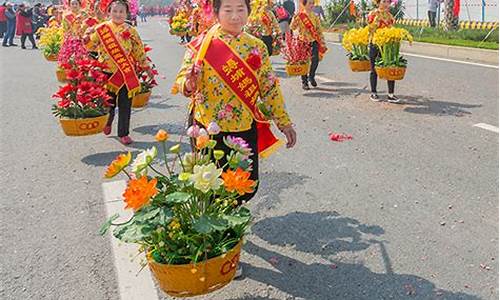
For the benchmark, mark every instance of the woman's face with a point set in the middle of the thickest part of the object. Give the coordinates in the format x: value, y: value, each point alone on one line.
x: 233, y: 15
x: 384, y: 4
x: 118, y: 13
x: 74, y: 5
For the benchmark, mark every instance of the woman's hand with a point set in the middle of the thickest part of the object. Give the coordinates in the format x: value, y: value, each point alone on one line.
x: 290, y: 134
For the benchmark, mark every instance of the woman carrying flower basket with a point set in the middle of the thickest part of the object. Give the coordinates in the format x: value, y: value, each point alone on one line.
x: 378, y: 18
x: 263, y: 24
x: 228, y: 75
x: 309, y: 30
x: 119, y: 46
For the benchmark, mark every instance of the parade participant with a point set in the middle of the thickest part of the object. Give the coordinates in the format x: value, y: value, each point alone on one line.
x: 270, y: 26
x: 379, y: 18
x: 308, y: 27
x: 72, y: 19
x: 120, y: 47
x: 24, y: 26
x: 228, y: 75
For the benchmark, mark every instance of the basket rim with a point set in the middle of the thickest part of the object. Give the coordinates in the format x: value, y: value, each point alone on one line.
x: 151, y: 261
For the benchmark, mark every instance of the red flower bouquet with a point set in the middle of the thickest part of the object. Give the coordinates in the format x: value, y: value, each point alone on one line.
x: 297, y: 55
x: 85, y: 95
x: 296, y: 51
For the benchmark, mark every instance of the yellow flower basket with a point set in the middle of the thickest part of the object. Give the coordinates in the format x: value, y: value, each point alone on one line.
x: 359, y: 65
x: 61, y: 75
x: 140, y: 100
x: 204, y: 277
x: 297, y: 69
x: 51, y: 57
x: 391, y: 73
x: 82, y: 127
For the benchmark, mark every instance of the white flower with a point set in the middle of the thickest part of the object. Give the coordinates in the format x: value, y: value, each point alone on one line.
x: 213, y: 128
x: 203, y: 132
x: 188, y: 162
x: 193, y: 131
x: 206, y: 177
x: 143, y: 160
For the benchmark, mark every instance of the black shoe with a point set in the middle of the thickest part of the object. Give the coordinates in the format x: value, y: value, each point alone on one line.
x: 13, y: 45
x: 34, y: 47
x: 374, y: 98
x: 313, y: 82
x: 305, y: 86
x: 5, y: 45
x: 23, y: 47
x: 393, y: 99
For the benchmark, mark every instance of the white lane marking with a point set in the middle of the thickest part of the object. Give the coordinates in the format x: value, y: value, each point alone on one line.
x: 487, y: 127
x: 442, y: 59
x: 132, y: 285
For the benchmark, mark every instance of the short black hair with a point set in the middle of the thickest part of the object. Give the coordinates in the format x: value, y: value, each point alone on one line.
x: 123, y: 2
x: 304, y: 2
x: 218, y: 3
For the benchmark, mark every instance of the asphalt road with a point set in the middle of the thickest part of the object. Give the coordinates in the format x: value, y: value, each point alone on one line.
x: 407, y: 209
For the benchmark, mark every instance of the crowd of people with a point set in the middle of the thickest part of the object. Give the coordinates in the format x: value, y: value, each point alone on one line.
x: 23, y: 21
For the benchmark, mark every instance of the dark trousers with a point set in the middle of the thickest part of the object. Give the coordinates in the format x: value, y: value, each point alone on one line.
x: 30, y: 37
x: 124, y: 108
x: 268, y: 40
x: 3, y: 28
x: 314, y: 63
x: 250, y: 136
x: 432, y: 18
x: 374, y: 54
x: 8, y: 38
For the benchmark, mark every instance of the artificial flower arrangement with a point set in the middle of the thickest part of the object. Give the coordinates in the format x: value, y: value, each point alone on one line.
x: 355, y: 41
x: 50, y: 41
x: 187, y: 215
x: 391, y: 65
x: 297, y: 55
x: 82, y: 103
x: 147, y: 78
x: 71, y: 51
x: 179, y: 24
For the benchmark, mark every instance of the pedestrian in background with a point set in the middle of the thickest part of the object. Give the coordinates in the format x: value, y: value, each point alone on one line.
x: 10, y: 14
x: 3, y: 19
x: 24, y: 25
x: 432, y: 11
x: 318, y: 10
x: 289, y: 5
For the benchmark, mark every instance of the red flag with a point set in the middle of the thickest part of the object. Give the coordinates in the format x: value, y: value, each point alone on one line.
x: 456, y: 8
x: 352, y: 8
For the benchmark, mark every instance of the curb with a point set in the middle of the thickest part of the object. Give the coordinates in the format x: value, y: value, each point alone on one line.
x: 435, y: 50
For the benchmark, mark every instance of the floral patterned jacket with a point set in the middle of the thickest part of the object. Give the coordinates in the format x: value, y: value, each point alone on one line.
x: 215, y: 101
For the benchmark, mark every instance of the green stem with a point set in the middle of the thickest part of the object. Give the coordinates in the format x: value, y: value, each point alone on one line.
x: 165, y: 158
x: 157, y: 172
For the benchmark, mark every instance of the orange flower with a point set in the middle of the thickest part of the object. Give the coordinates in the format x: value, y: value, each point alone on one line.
x: 161, y: 135
x: 117, y: 165
x: 139, y: 192
x: 202, y: 141
x: 238, y: 181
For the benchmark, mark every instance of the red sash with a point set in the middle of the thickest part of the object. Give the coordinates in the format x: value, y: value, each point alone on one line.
x: 125, y: 73
x: 241, y: 79
x: 310, y: 27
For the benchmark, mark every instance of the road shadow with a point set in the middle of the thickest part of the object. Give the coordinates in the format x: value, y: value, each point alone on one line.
x: 424, y: 105
x: 272, y: 184
x: 173, y: 128
x: 330, y: 93
x: 327, y: 233
x: 337, y: 83
x: 103, y: 159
